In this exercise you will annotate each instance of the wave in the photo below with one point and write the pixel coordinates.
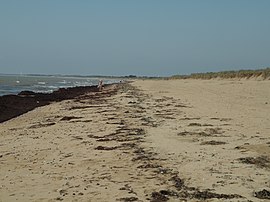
(13, 85)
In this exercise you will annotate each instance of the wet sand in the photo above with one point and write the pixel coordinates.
(164, 140)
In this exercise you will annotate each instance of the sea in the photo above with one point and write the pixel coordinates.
(13, 84)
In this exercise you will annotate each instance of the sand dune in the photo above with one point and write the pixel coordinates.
(164, 140)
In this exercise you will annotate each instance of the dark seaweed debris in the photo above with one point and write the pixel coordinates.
(213, 142)
(163, 195)
(14, 105)
(208, 195)
(264, 194)
(68, 118)
(178, 183)
(158, 197)
(260, 161)
(128, 199)
(106, 148)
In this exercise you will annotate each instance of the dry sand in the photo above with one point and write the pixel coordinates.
(175, 140)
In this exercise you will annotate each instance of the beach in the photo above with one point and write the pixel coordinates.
(145, 140)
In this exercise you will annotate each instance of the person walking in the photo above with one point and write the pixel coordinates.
(100, 85)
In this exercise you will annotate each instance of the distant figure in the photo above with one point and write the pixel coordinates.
(100, 85)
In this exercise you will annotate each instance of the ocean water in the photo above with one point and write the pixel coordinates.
(13, 84)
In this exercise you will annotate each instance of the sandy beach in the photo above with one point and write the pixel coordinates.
(148, 140)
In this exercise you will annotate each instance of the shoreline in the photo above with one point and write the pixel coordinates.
(12, 106)
(151, 140)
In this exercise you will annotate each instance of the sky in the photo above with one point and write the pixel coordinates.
(133, 37)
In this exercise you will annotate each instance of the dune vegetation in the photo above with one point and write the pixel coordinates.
(260, 73)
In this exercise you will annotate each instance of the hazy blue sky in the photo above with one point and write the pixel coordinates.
(142, 37)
